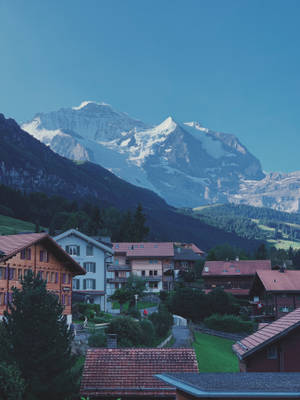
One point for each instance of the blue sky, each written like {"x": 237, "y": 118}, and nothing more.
{"x": 233, "y": 65}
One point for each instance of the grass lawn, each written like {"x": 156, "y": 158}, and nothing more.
{"x": 141, "y": 305}
{"x": 214, "y": 354}
{"x": 11, "y": 226}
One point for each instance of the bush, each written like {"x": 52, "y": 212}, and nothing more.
{"x": 80, "y": 310}
{"x": 128, "y": 331}
{"x": 162, "y": 321}
{"x": 148, "y": 332}
{"x": 229, "y": 323}
{"x": 97, "y": 340}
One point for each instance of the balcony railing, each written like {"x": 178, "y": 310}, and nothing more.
{"x": 119, "y": 268}
{"x": 152, "y": 278}
{"x": 116, "y": 280}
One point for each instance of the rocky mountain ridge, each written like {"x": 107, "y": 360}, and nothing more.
{"x": 185, "y": 163}
{"x": 28, "y": 165}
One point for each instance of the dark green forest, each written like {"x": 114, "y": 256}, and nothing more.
{"x": 240, "y": 220}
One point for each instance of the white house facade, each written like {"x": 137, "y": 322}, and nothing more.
{"x": 94, "y": 257}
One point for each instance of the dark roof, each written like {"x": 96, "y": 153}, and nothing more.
{"x": 288, "y": 281}
{"x": 10, "y": 245}
{"x": 267, "y": 334}
{"x": 229, "y": 268}
{"x": 183, "y": 254}
{"x": 120, "y": 372}
{"x": 250, "y": 385}
{"x": 235, "y": 292}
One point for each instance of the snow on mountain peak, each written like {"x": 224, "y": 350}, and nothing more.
{"x": 86, "y": 103}
{"x": 167, "y": 126}
{"x": 196, "y": 125}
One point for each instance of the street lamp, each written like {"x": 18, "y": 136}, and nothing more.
{"x": 136, "y": 296}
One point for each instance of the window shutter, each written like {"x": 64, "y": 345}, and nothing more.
{"x": 78, "y": 250}
{"x": 94, "y": 283}
{"x": 28, "y": 254}
{"x": 68, "y": 249}
{"x": 5, "y": 298}
{"x": 63, "y": 278}
{"x": 41, "y": 255}
{"x": 5, "y": 272}
{"x": 84, "y": 284}
{"x": 93, "y": 267}
{"x": 84, "y": 265}
{"x": 47, "y": 256}
{"x": 56, "y": 277}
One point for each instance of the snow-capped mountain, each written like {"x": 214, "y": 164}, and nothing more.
{"x": 185, "y": 163}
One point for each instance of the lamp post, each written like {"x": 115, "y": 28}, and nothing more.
{"x": 136, "y": 296}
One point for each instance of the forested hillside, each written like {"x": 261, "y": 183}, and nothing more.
{"x": 278, "y": 228}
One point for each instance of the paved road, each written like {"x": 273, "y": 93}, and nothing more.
{"x": 182, "y": 336}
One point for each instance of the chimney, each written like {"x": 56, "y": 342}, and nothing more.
{"x": 111, "y": 341}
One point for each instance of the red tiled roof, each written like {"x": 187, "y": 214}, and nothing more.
{"x": 146, "y": 249}
{"x": 267, "y": 334}
{"x": 242, "y": 267}
{"x": 196, "y": 249}
{"x": 120, "y": 372}
{"x": 282, "y": 281}
{"x": 10, "y": 245}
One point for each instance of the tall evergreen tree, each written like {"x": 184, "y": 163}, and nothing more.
{"x": 140, "y": 230}
{"x": 36, "y": 338}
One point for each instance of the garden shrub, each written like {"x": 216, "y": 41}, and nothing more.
{"x": 97, "y": 340}
{"x": 162, "y": 321}
{"x": 128, "y": 331}
{"x": 229, "y": 323}
{"x": 148, "y": 332}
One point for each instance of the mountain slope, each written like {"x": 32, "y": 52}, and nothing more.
{"x": 207, "y": 166}
{"x": 29, "y": 165}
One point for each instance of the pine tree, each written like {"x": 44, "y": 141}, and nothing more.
{"x": 140, "y": 230}
{"x": 36, "y": 338}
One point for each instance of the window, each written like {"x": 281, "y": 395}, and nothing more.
{"x": 272, "y": 353}
{"x": 47, "y": 276}
{"x": 44, "y": 256}
{"x": 64, "y": 276}
{"x": 153, "y": 285}
{"x": 89, "y": 284}
{"x": 117, "y": 246}
{"x": 150, "y": 261}
{"x": 19, "y": 274}
{"x": 89, "y": 250}
{"x": 143, "y": 273}
{"x": 116, "y": 274}
{"x": 40, "y": 274}
{"x": 116, "y": 262}
{"x": 2, "y": 273}
{"x": 52, "y": 277}
{"x": 141, "y": 246}
{"x": 284, "y": 309}
{"x": 150, "y": 272}
{"x": 155, "y": 272}
{"x": 25, "y": 254}
{"x": 76, "y": 284}
{"x": 73, "y": 250}
{"x": 89, "y": 266}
